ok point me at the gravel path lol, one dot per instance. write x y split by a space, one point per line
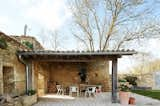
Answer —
103 99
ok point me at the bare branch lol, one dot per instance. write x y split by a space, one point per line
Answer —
84 41
103 22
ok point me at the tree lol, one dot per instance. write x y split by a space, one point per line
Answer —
55 40
51 39
111 24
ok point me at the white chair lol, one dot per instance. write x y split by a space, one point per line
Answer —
73 89
90 91
59 90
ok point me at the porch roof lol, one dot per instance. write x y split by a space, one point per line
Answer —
97 53
75 56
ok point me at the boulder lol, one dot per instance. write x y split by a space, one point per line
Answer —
2 101
8 98
8 104
17 103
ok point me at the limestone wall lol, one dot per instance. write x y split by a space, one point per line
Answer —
32 40
41 77
66 74
98 73
8 58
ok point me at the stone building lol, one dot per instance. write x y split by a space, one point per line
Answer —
12 71
13 75
23 39
25 65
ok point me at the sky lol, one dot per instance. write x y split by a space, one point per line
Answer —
50 15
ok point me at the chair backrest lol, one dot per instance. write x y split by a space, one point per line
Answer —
58 86
73 89
91 89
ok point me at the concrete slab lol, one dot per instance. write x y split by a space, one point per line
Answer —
103 99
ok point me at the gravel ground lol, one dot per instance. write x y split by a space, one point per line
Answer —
103 99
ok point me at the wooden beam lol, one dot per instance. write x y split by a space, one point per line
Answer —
114 81
68 58
63 60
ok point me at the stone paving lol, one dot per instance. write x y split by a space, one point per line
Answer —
103 99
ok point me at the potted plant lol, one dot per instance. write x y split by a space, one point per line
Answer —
124 88
30 98
99 88
31 92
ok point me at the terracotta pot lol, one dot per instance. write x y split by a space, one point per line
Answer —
124 97
132 101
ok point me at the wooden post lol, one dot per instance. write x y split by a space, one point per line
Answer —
114 81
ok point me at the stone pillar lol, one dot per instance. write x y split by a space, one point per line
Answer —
114 81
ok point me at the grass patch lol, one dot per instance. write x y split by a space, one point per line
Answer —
150 93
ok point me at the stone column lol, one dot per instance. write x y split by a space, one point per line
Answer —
114 80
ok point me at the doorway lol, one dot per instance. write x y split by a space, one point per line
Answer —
8 79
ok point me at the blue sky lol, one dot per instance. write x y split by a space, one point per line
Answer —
38 15
51 15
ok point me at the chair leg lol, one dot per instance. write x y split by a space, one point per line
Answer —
85 94
62 92
58 92
89 94
78 94
70 93
94 94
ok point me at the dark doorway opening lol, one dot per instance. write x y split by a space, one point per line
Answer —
8 79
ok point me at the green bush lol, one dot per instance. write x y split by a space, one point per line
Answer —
132 80
28 44
3 43
31 92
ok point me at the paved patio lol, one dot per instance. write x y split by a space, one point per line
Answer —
103 99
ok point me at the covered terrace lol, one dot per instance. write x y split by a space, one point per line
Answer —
30 57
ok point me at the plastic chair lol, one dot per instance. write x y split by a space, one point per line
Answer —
90 91
73 89
59 89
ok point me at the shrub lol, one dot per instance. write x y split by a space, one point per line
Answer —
28 44
132 80
31 92
3 43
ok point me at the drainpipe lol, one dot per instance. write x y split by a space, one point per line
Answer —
27 71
